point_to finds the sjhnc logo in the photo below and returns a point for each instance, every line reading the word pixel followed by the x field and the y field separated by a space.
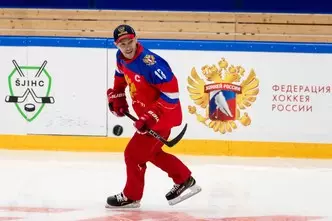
pixel 224 95
pixel 29 89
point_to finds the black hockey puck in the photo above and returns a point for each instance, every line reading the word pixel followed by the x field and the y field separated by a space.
pixel 117 130
pixel 29 107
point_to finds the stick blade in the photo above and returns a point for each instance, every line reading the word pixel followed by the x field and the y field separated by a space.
pixel 11 99
pixel 171 143
pixel 48 100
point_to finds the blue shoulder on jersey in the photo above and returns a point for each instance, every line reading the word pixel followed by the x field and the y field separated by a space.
pixel 156 70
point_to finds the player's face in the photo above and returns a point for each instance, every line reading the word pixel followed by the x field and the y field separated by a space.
pixel 128 47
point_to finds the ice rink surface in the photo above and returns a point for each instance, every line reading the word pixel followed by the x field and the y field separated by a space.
pixel 62 186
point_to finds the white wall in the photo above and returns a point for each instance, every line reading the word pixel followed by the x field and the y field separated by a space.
pixel 81 76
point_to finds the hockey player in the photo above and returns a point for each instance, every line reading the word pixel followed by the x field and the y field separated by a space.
pixel 155 99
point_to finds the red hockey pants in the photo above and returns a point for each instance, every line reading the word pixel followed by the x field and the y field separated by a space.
pixel 145 148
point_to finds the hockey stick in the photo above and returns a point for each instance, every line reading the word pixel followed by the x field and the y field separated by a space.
pixel 17 99
pixel 18 69
pixel 41 69
pixel 42 100
pixel 170 143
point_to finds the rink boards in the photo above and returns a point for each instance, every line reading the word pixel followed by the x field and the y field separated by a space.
pixel 238 98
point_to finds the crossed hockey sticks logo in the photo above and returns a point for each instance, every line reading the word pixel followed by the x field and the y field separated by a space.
pixel 29 107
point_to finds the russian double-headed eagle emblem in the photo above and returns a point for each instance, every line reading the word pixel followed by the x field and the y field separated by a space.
pixel 149 59
pixel 224 94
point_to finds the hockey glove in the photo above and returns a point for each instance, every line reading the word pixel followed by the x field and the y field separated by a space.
pixel 117 102
pixel 146 121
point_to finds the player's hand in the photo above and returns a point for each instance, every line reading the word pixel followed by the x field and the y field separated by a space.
pixel 117 102
pixel 146 121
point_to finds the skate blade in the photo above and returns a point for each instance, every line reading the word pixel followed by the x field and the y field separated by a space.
pixel 131 205
pixel 193 191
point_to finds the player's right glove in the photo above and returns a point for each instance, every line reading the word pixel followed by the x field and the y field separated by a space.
pixel 117 102
pixel 146 121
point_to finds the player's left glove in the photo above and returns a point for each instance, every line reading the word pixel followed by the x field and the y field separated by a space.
pixel 146 121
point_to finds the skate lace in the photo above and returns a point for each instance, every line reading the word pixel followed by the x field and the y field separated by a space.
pixel 175 188
pixel 120 197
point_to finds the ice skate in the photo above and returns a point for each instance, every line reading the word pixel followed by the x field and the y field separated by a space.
pixel 177 193
pixel 121 201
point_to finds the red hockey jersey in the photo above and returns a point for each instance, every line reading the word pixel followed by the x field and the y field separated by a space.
pixel 151 82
